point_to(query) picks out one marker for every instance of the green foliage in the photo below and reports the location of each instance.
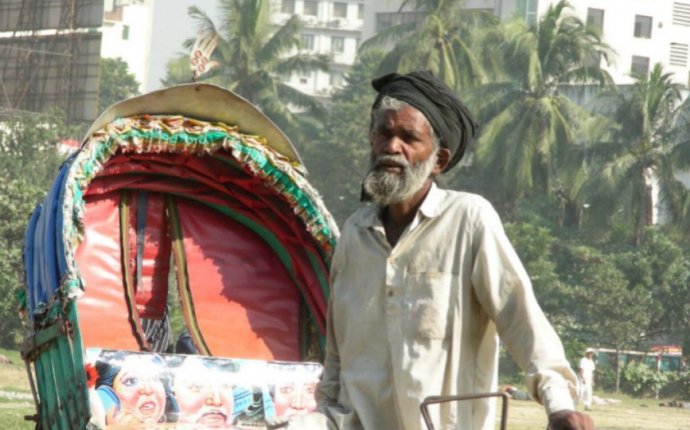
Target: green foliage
(17, 200)
(529, 128)
(509, 371)
(338, 159)
(28, 162)
(443, 41)
(610, 310)
(638, 379)
(605, 378)
(117, 83)
(648, 142)
(254, 57)
(662, 268)
(533, 244)
(678, 386)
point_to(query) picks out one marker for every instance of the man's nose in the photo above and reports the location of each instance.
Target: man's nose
(392, 145)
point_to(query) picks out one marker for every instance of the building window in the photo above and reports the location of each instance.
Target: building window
(679, 54)
(340, 10)
(308, 42)
(303, 76)
(125, 32)
(360, 11)
(335, 79)
(643, 26)
(681, 14)
(311, 7)
(386, 20)
(531, 12)
(640, 65)
(595, 18)
(338, 44)
(287, 6)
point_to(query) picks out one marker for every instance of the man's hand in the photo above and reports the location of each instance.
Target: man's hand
(570, 420)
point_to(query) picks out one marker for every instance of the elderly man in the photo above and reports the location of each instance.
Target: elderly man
(423, 283)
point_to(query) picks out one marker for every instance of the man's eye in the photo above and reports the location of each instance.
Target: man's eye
(381, 133)
(410, 138)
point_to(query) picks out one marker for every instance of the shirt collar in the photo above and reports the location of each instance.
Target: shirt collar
(430, 208)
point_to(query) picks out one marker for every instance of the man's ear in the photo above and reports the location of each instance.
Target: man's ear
(442, 160)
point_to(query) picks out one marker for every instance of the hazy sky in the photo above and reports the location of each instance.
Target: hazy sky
(172, 25)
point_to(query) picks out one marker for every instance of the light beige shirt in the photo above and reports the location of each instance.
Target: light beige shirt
(421, 319)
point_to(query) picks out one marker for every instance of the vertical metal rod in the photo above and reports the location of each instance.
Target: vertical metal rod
(32, 383)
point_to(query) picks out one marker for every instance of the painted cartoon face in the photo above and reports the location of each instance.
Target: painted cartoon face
(140, 390)
(294, 398)
(203, 397)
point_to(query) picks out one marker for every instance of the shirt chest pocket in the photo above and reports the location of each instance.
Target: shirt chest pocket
(428, 300)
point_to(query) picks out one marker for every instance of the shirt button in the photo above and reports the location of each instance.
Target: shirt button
(390, 293)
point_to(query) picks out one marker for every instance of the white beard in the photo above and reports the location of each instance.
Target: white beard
(385, 188)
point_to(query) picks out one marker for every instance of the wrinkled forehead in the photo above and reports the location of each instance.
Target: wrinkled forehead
(407, 118)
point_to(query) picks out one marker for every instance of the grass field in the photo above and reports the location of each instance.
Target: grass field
(15, 394)
(630, 414)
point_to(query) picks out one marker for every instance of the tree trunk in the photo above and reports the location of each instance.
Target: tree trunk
(571, 214)
(645, 211)
(618, 372)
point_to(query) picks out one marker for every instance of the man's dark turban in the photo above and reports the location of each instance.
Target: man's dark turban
(448, 116)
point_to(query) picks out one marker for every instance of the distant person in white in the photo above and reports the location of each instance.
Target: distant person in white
(586, 373)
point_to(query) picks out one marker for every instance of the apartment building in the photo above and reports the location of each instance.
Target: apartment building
(148, 33)
(641, 32)
(330, 27)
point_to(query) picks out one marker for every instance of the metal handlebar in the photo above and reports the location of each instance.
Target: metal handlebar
(432, 400)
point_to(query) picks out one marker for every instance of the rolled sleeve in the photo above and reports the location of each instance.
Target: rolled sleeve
(505, 292)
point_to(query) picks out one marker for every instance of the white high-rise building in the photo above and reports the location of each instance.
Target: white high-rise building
(148, 33)
(331, 27)
(641, 32)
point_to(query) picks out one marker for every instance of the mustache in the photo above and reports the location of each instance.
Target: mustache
(388, 160)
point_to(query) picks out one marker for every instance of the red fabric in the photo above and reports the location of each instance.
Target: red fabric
(243, 301)
(103, 313)
(226, 185)
(252, 200)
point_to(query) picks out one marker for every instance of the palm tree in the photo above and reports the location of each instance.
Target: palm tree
(439, 38)
(254, 57)
(528, 125)
(649, 147)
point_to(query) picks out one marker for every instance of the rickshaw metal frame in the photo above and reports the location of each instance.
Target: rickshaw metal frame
(433, 400)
